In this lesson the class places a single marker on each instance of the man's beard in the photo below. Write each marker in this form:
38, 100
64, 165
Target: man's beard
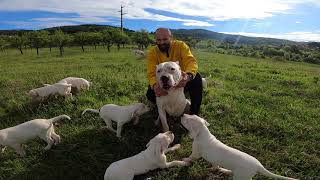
164, 47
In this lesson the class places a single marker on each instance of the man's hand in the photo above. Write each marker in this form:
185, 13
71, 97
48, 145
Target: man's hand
159, 91
183, 81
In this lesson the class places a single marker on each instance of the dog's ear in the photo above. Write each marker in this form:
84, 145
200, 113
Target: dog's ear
194, 130
164, 143
177, 62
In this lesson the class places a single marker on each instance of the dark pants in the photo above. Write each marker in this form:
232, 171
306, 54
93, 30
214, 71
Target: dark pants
193, 87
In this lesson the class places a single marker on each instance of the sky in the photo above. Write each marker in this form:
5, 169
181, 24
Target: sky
297, 20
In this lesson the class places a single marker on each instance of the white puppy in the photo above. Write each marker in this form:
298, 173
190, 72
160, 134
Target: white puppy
120, 114
42, 128
152, 158
78, 83
168, 75
62, 89
139, 53
205, 145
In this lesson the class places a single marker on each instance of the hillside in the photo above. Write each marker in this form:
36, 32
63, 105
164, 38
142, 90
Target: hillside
205, 34
194, 33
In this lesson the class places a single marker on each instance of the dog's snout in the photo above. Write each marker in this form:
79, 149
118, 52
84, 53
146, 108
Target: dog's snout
164, 78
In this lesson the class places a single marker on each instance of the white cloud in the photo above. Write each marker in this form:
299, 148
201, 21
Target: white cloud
198, 23
212, 9
294, 36
298, 22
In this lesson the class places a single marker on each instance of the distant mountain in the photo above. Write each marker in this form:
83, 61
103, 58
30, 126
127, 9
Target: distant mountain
67, 29
313, 45
206, 35
84, 28
179, 33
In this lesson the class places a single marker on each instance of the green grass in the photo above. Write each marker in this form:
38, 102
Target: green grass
267, 108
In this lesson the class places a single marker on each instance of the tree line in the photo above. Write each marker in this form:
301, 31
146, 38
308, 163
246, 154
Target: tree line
290, 52
107, 37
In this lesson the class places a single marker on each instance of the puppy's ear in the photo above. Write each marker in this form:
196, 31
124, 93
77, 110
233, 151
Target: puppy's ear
194, 130
177, 62
164, 143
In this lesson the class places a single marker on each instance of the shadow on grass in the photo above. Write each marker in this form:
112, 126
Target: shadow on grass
87, 152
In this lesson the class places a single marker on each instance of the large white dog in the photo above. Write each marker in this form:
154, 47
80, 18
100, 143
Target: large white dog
120, 114
62, 89
205, 145
15, 136
168, 75
78, 83
152, 158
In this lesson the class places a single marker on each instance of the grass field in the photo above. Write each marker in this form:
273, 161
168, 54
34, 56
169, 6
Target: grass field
269, 109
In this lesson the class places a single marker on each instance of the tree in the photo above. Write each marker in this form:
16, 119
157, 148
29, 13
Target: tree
120, 38
107, 38
60, 40
19, 42
81, 39
95, 38
143, 39
38, 39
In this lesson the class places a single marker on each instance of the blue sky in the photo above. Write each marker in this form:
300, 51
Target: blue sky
284, 19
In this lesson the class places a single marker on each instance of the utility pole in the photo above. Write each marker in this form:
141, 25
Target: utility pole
122, 13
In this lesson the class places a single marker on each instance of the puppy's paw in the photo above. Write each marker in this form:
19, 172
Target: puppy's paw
186, 163
187, 160
177, 146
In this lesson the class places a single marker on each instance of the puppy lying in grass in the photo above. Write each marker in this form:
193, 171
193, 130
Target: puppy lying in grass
152, 158
15, 136
120, 114
205, 145
78, 83
62, 89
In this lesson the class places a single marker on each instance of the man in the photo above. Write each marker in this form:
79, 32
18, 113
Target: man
168, 49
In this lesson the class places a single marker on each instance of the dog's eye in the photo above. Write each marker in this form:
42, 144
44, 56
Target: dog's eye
172, 69
158, 71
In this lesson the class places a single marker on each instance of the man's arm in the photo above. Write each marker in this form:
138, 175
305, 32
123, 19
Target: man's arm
188, 61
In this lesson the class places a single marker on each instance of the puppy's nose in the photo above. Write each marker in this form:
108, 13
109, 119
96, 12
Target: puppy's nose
164, 78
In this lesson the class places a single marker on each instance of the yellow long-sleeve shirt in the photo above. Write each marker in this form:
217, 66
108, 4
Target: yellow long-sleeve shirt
178, 51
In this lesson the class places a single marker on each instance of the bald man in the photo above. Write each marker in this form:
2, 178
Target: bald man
166, 50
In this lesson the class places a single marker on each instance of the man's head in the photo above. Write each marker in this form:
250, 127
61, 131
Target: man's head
163, 39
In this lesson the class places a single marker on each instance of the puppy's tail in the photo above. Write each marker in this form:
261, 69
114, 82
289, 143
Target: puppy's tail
58, 118
90, 110
267, 173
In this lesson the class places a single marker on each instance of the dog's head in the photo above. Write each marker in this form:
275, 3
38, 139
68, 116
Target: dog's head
168, 74
140, 109
161, 142
33, 93
193, 124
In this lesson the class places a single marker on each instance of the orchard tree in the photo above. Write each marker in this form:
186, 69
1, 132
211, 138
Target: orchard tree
19, 42
107, 39
38, 39
95, 38
81, 39
143, 39
61, 40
